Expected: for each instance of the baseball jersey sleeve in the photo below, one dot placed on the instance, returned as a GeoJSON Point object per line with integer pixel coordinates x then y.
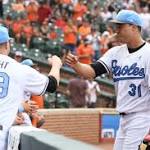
{"type": "Point", "coordinates": [114, 53]}
{"type": "Point", "coordinates": [147, 73]}
{"type": "Point", "coordinates": [35, 82]}
{"type": "Point", "coordinates": [106, 59]}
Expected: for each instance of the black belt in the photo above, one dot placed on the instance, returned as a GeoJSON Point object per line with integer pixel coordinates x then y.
{"type": "Point", "coordinates": [122, 113]}
{"type": "Point", "coordinates": [1, 127]}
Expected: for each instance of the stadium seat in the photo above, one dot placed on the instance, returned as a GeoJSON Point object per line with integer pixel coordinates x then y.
{"type": "Point", "coordinates": [56, 100]}
{"type": "Point", "coordinates": [62, 101]}
{"type": "Point", "coordinates": [38, 55]}
{"type": "Point", "coordinates": [38, 42]}
{"type": "Point", "coordinates": [49, 46]}
{"type": "Point", "coordinates": [23, 46]}
{"type": "Point", "coordinates": [49, 101]}
{"type": "Point", "coordinates": [53, 47]}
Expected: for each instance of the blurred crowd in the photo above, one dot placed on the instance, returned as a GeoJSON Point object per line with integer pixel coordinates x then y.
{"type": "Point", "coordinates": [79, 26]}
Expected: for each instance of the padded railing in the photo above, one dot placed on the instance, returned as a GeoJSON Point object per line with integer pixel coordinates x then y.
{"type": "Point", "coordinates": [43, 140]}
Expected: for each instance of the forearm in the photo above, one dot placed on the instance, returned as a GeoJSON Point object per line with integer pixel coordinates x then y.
{"type": "Point", "coordinates": [84, 70]}
{"type": "Point", "coordinates": [55, 72]}
{"type": "Point", "coordinates": [56, 64]}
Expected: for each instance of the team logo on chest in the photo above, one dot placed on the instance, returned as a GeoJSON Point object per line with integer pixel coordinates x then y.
{"type": "Point", "coordinates": [126, 72]}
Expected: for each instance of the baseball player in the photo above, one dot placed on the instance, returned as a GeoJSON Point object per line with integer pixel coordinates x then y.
{"type": "Point", "coordinates": [16, 78]}
{"type": "Point", "coordinates": [129, 64]}
{"type": "Point", "coordinates": [91, 96]}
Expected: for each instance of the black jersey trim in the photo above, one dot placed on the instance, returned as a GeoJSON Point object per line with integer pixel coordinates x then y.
{"type": "Point", "coordinates": [107, 69]}
{"type": "Point", "coordinates": [99, 68]}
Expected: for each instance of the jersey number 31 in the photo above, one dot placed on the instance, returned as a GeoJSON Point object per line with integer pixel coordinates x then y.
{"type": "Point", "coordinates": [4, 83]}
{"type": "Point", "coordinates": [135, 90]}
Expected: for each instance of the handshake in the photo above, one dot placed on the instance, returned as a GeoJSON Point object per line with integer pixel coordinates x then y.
{"type": "Point", "coordinates": [67, 58]}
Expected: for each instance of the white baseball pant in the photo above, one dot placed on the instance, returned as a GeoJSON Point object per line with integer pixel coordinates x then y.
{"type": "Point", "coordinates": [3, 140]}
{"type": "Point", "coordinates": [132, 130]}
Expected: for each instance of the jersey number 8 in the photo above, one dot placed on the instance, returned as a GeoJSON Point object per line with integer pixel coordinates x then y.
{"type": "Point", "coordinates": [4, 83]}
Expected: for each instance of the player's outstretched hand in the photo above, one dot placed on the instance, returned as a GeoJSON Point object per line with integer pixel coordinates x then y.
{"type": "Point", "coordinates": [70, 59]}
{"type": "Point", "coordinates": [55, 61]}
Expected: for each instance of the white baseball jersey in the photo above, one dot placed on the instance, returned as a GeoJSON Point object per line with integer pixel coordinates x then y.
{"type": "Point", "coordinates": [131, 75]}
{"type": "Point", "coordinates": [16, 78]}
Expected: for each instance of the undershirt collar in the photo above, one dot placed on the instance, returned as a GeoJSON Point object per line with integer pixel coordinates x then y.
{"type": "Point", "coordinates": [132, 50]}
